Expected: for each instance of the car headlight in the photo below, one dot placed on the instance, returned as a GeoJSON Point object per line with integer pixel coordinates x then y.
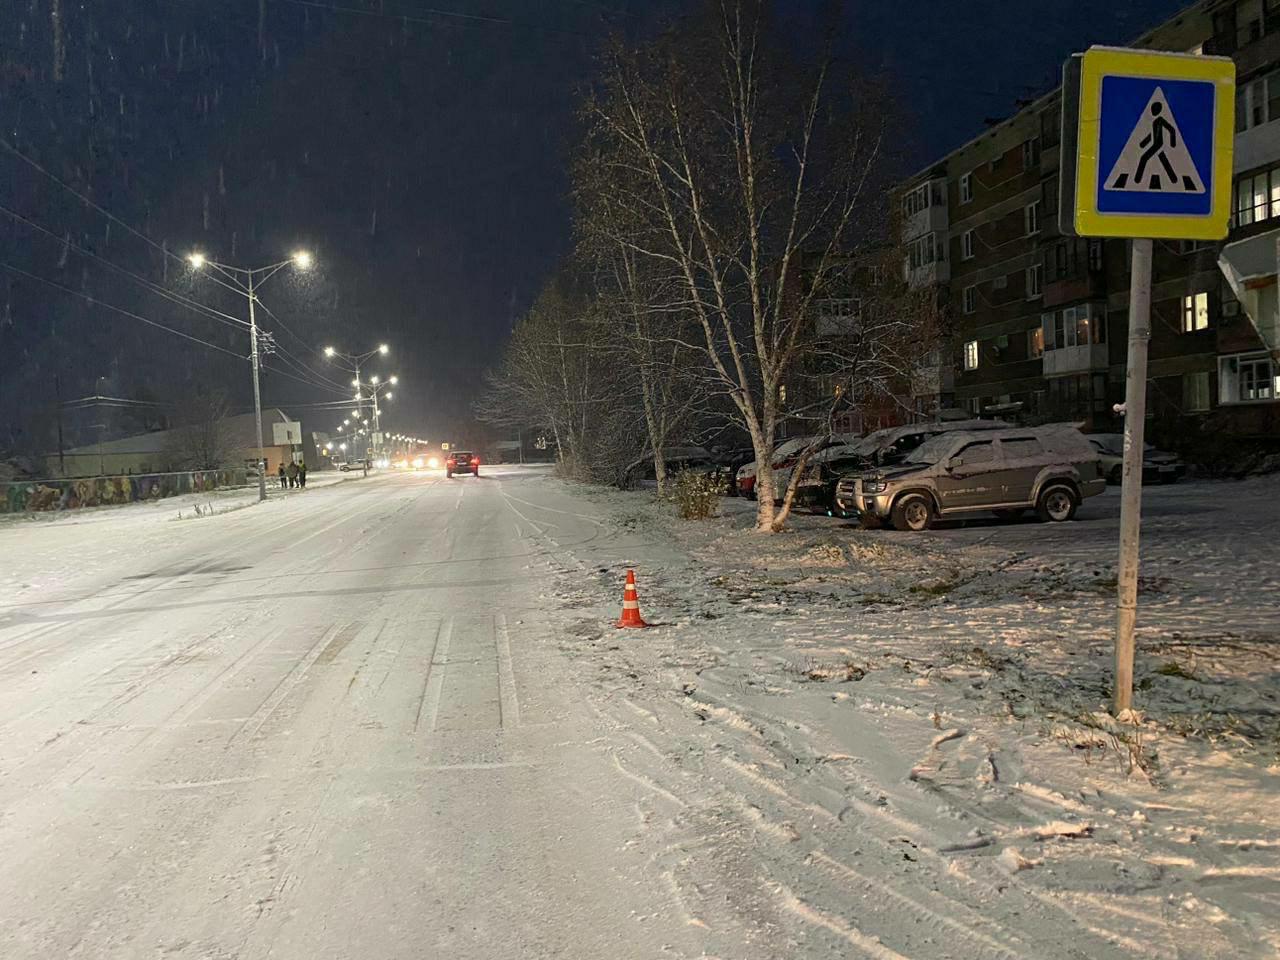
{"type": "Point", "coordinates": [874, 486]}
{"type": "Point", "coordinates": [434, 463]}
{"type": "Point", "coordinates": [417, 463]}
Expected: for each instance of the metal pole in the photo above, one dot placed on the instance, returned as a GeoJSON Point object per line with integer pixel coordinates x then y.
{"type": "Point", "coordinates": [1135, 411]}
{"type": "Point", "coordinates": [364, 454]}
{"type": "Point", "coordinates": [257, 395]}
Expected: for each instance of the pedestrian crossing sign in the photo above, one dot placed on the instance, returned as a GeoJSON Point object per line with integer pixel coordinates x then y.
{"type": "Point", "coordinates": [1147, 144]}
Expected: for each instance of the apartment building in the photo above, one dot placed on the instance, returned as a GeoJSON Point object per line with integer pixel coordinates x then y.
{"type": "Point", "coordinates": [1038, 321]}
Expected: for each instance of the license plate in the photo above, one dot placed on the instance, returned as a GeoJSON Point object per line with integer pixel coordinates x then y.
{"type": "Point", "coordinates": [1167, 469]}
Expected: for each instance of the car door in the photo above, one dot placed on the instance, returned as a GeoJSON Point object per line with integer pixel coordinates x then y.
{"type": "Point", "coordinates": [969, 477]}
{"type": "Point", "coordinates": [1021, 460]}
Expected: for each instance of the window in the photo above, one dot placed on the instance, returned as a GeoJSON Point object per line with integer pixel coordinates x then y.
{"type": "Point", "coordinates": [1257, 196]}
{"type": "Point", "coordinates": [969, 300]}
{"type": "Point", "coordinates": [923, 251]}
{"type": "Point", "coordinates": [984, 451]}
{"type": "Point", "coordinates": [1195, 312]}
{"type": "Point", "coordinates": [1035, 343]}
{"type": "Point", "coordinates": [1195, 392]}
{"type": "Point", "coordinates": [1258, 102]}
{"type": "Point", "coordinates": [1031, 218]}
{"type": "Point", "coordinates": [1076, 326]}
{"type": "Point", "coordinates": [1021, 447]}
{"type": "Point", "coordinates": [1031, 153]}
{"type": "Point", "coordinates": [1095, 255]}
{"type": "Point", "coordinates": [971, 355]}
{"type": "Point", "coordinates": [967, 244]}
{"type": "Point", "coordinates": [921, 198]}
{"type": "Point", "coordinates": [1000, 282]}
{"type": "Point", "coordinates": [1247, 378]}
{"type": "Point", "coordinates": [966, 187]}
{"type": "Point", "coordinates": [1033, 281]}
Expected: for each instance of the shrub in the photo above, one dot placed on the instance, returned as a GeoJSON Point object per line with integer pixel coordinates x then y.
{"type": "Point", "coordinates": [696, 494]}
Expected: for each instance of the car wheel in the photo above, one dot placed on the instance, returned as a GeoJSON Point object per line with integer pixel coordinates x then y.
{"type": "Point", "coordinates": [1116, 476]}
{"type": "Point", "coordinates": [1057, 503]}
{"type": "Point", "coordinates": [912, 512]}
{"type": "Point", "coordinates": [1011, 514]}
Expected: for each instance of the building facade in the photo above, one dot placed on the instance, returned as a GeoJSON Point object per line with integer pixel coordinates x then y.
{"type": "Point", "coordinates": [1038, 321]}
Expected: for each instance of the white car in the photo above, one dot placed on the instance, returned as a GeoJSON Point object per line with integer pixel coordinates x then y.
{"type": "Point", "coordinates": [785, 456]}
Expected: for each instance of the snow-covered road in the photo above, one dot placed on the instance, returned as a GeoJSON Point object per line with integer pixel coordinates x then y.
{"type": "Point", "coordinates": [330, 726]}
{"type": "Point", "coordinates": [389, 718]}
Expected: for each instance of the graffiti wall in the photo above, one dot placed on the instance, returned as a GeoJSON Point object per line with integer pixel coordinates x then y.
{"type": "Point", "coordinates": [42, 495]}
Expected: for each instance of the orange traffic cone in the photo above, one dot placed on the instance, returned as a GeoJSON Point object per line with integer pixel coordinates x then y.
{"type": "Point", "coordinates": [631, 604]}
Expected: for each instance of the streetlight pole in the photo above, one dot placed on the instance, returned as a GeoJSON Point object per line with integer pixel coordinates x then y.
{"type": "Point", "coordinates": [257, 393]}
{"type": "Point", "coordinates": [352, 362]}
{"type": "Point", "coordinates": [249, 289]}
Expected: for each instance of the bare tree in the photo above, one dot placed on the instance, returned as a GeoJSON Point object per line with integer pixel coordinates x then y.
{"type": "Point", "coordinates": [201, 438]}
{"type": "Point", "coordinates": [731, 165]}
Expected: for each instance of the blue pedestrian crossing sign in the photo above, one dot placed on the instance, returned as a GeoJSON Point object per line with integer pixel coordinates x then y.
{"type": "Point", "coordinates": [1147, 144]}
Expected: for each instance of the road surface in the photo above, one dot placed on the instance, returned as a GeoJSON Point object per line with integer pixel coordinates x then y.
{"type": "Point", "coordinates": [336, 725]}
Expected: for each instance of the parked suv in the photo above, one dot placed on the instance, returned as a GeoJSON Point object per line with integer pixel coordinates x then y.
{"type": "Point", "coordinates": [886, 447]}
{"type": "Point", "coordinates": [1051, 469]}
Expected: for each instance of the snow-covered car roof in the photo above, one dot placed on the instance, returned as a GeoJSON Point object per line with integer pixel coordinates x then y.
{"type": "Point", "coordinates": [891, 435]}
{"type": "Point", "coordinates": [1058, 439]}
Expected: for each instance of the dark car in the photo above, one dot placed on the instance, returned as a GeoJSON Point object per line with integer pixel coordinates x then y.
{"type": "Point", "coordinates": [462, 461]}
{"type": "Point", "coordinates": [1157, 466]}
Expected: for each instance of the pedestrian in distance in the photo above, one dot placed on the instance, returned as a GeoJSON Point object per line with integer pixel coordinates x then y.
{"type": "Point", "coordinates": [282, 475]}
{"type": "Point", "coordinates": [302, 474]}
{"type": "Point", "coordinates": [293, 475]}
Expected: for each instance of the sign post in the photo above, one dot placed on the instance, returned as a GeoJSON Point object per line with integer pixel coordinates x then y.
{"type": "Point", "coordinates": [1147, 143]}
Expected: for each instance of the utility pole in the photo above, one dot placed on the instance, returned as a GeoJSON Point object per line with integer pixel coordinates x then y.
{"type": "Point", "coordinates": [302, 260]}
{"type": "Point", "coordinates": [1135, 412]}
{"type": "Point", "coordinates": [257, 392]}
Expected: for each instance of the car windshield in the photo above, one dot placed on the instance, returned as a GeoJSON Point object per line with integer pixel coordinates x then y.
{"type": "Point", "coordinates": [932, 450]}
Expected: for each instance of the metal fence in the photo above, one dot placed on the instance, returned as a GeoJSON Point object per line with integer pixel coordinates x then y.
{"type": "Point", "coordinates": [45, 495]}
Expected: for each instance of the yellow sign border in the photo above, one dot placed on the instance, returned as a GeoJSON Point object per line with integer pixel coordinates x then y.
{"type": "Point", "coordinates": [1099, 62]}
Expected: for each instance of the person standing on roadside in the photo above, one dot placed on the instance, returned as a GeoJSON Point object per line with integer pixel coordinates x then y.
{"type": "Point", "coordinates": [283, 478]}
{"type": "Point", "coordinates": [293, 475]}
{"type": "Point", "coordinates": [302, 474]}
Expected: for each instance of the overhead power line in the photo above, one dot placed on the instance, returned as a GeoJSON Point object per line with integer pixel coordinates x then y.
{"type": "Point", "coordinates": [194, 305]}
{"type": "Point", "coordinates": [128, 313]}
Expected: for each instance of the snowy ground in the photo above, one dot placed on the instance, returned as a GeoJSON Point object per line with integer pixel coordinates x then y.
{"type": "Point", "coordinates": [389, 719]}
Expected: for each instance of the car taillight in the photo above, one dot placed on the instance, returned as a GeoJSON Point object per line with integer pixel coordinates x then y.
{"type": "Point", "coordinates": [475, 461]}
{"type": "Point", "coordinates": [451, 462]}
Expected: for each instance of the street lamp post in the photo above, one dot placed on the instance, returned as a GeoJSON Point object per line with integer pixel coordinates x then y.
{"type": "Point", "coordinates": [254, 278]}
{"type": "Point", "coordinates": [352, 362]}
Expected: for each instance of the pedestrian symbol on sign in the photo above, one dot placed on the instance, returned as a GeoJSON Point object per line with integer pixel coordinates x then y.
{"type": "Point", "coordinates": [1155, 158]}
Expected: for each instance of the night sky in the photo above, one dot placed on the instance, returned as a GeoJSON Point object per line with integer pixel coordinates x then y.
{"type": "Point", "coordinates": [420, 156]}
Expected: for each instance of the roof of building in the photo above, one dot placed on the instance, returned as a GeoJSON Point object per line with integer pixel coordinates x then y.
{"type": "Point", "coordinates": [240, 429]}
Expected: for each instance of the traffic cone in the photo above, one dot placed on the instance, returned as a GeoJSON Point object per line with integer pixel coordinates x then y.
{"type": "Point", "coordinates": [631, 604]}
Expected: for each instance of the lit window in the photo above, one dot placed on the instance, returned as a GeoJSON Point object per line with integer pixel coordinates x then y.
{"type": "Point", "coordinates": [1035, 343]}
{"type": "Point", "coordinates": [1195, 312]}
{"type": "Point", "coordinates": [971, 355]}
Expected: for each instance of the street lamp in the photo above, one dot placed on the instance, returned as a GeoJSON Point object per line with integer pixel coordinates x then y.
{"type": "Point", "coordinates": [246, 281]}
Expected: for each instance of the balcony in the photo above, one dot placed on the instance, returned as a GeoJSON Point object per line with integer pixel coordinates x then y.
{"type": "Point", "coordinates": [933, 218]}
{"type": "Point", "coordinates": [1259, 146]}
{"type": "Point", "coordinates": [931, 381]}
{"type": "Point", "coordinates": [929, 274]}
{"type": "Point", "coordinates": [1082, 359]}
